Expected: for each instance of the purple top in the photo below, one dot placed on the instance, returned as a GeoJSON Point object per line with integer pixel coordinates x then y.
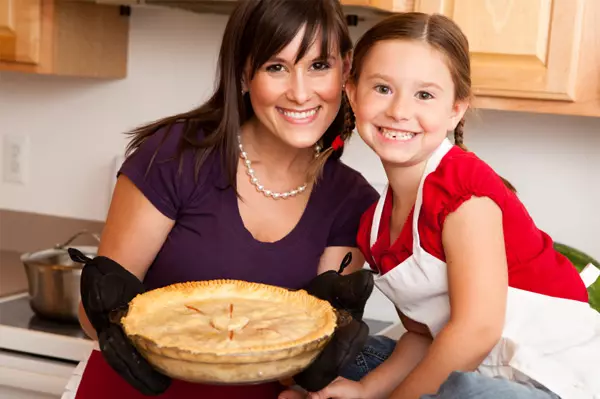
{"type": "Point", "coordinates": [209, 240]}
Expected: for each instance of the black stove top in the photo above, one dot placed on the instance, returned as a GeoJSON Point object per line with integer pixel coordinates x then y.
{"type": "Point", "coordinates": [17, 313]}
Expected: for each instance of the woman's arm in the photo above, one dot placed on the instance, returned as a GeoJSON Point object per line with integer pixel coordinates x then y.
{"type": "Point", "coordinates": [132, 236]}
{"type": "Point", "coordinates": [474, 245]}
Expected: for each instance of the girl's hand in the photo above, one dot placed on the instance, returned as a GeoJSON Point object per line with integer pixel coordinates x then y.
{"type": "Point", "coordinates": [340, 388]}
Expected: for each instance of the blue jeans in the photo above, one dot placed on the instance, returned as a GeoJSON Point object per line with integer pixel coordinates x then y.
{"type": "Point", "coordinates": [459, 385]}
{"type": "Point", "coordinates": [377, 349]}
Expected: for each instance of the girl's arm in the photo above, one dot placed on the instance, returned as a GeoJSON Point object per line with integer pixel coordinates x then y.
{"type": "Point", "coordinates": [409, 351]}
{"type": "Point", "coordinates": [474, 245]}
{"type": "Point", "coordinates": [379, 383]}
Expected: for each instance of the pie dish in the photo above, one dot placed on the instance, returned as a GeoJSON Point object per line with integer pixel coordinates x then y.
{"type": "Point", "coordinates": [229, 331]}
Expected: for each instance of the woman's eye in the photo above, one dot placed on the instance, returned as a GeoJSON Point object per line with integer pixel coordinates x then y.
{"type": "Point", "coordinates": [275, 68]}
{"type": "Point", "coordinates": [381, 89]}
{"type": "Point", "coordinates": [423, 95]}
{"type": "Point", "coordinates": [320, 66]}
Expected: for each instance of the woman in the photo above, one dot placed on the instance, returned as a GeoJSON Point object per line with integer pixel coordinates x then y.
{"type": "Point", "coordinates": [249, 186]}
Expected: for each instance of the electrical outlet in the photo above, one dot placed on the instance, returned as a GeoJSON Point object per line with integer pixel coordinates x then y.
{"type": "Point", "coordinates": [15, 155]}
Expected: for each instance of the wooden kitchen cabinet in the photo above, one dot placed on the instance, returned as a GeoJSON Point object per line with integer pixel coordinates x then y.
{"type": "Point", "coordinates": [384, 5]}
{"type": "Point", "coordinates": [530, 55]}
{"type": "Point", "coordinates": [62, 37]}
{"type": "Point", "coordinates": [7, 18]}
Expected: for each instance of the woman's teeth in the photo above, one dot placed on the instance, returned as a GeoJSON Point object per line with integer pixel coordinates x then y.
{"type": "Point", "coordinates": [299, 115]}
{"type": "Point", "coordinates": [396, 134]}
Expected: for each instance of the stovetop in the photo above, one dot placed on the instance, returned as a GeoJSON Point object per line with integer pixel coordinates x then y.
{"type": "Point", "coordinates": [22, 331]}
{"type": "Point", "coordinates": [18, 313]}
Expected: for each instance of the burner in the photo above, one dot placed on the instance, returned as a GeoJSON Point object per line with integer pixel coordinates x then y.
{"type": "Point", "coordinates": [25, 332]}
{"type": "Point", "coordinates": [18, 313]}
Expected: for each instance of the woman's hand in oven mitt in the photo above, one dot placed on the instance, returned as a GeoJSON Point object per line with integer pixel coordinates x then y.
{"type": "Point", "coordinates": [106, 289]}
{"type": "Point", "coordinates": [348, 294]}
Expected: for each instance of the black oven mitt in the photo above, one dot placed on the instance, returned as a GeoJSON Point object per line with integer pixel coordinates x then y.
{"type": "Point", "coordinates": [348, 294]}
{"type": "Point", "coordinates": [106, 289]}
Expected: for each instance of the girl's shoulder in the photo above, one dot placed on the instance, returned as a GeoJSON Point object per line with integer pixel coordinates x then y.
{"type": "Point", "coordinates": [461, 175]}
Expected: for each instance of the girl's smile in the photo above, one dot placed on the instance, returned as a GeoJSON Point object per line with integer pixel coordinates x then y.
{"type": "Point", "coordinates": [396, 135]}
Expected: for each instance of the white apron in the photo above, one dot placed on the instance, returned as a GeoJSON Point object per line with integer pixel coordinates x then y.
{"type": "Point", "coordinates": [553, 341]}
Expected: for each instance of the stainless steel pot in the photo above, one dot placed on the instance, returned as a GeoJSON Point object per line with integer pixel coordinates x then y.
{"type": "Point", "coordinates": [53, 279]}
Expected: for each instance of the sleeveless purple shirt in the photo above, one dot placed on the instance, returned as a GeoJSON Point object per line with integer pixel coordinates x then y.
{"type": "Point", "coordinates": [209, 240]}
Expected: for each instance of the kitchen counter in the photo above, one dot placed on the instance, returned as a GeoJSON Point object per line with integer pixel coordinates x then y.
{"type": "Point", "coordinates": [12, 274]}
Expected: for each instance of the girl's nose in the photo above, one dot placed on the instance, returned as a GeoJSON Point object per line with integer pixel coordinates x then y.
{"type": "Point", "coordinates": [400, 108]}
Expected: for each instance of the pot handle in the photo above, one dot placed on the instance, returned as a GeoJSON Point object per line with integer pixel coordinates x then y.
{"type": "Point", "coordinates": [83, 232]}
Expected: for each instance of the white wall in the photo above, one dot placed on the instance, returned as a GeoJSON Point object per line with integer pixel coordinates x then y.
{"type": "Point", "coordinates": [75, 127]}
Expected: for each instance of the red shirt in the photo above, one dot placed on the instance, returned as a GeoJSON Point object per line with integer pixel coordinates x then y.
{"type": "Point", "coordinates": [533, 264]}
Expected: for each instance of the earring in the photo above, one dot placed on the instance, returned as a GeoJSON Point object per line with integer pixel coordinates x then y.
{"type": "Point", "coordinates": [318, 149]}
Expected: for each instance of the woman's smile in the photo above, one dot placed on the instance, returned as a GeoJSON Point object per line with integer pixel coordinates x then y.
{"type": "Point", "coordinates": [299, 117]}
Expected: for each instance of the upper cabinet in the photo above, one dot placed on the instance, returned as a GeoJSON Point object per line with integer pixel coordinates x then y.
{"type": "Point", "coordinates": [385, 5]}
{"type": "Point", "coordinates": [519, 48]}
{"type": "Point", "coordinates": [63, 37]}
{"type": "Point", "coordinates": [532, 55]}
{"type": "Point", "coordinates": [528, 55]}
{"type": "Point", "coordinates": [20, 30]}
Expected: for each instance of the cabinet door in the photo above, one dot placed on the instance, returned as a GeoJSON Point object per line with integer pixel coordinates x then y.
{"type": "Point", "coordinates": [20, 31]}
{"type": "Point", "coordinates": [519, 48]}
{"type": "Point", "coordinates": [386, 5]}
{"type": "Point", "coordinates": [7, 18]}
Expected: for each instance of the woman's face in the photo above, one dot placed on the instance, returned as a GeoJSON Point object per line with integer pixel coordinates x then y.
{"type": "Point", "coordinates": [297, 102]}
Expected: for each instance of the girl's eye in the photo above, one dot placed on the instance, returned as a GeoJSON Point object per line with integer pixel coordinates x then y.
{"type": "Point", "coordinates": [275, 68]}
{"type": "Point", "coordinates": [320, 66]}
{"type": "Point", "coordinates": [423, 95]}
{"type": "Point", "coordinates": [381, 89]}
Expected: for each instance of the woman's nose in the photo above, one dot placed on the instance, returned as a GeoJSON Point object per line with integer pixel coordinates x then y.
{"type": "Point", "coordinates": [299, 90]}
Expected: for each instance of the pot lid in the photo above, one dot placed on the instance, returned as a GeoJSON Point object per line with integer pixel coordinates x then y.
{"type": "Point", "coordinates": [58, 256]}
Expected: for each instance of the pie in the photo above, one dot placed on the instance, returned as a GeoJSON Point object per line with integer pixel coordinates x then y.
{"type": "Point", "coordinates": [229, 331]}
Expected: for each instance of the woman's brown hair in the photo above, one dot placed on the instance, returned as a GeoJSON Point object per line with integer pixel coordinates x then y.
{"type": "Point", "coordinates": [255, 32]}
{"type": "Point", "coordinates": [438, 31]}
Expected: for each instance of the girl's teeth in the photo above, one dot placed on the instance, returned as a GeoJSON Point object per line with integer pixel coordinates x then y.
{"type": "Point", "coordinates": [396, 135]}
{"type": "Point", "coordinates": [300, 115]}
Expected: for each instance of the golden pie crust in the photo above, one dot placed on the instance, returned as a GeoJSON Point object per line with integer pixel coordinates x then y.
{"type": "Point", "coordinates": [229, 331]}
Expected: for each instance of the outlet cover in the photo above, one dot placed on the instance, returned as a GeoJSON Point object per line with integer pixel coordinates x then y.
{"type": "Point", "coordinates": [15, 156]}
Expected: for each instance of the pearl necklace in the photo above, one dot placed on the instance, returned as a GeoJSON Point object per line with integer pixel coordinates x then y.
{"type": "Point", "coordinates": [259, 187]}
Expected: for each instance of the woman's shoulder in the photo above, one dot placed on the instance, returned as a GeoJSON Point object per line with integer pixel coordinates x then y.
{"type": "Point", "coordinates": [164, 169]}
{"type": "Point", "coordinates": [165, 142]}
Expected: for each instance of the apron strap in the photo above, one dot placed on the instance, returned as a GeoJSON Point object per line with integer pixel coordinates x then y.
{"type": "Point", "coordinates": [432, 164]}
{"type": "Point", "coordinates": [377, 218]}
{"type": "Point", "coordinates": [589, 274]}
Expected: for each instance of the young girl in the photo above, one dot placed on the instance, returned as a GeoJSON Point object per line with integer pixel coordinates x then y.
{"type": "Point", "coordinates": [478, 286]}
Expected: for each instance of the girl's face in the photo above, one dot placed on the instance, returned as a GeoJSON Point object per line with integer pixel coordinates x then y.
{"type": "Point", "coordinates": [298, 101]}
{"type": "Point", "coordinates": [404, 101]}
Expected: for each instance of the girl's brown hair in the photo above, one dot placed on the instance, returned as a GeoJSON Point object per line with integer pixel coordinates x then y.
{"type": "Point", "coordinates": [255, 32]}
{"type": "Point", "coordinates": [438, 31]}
